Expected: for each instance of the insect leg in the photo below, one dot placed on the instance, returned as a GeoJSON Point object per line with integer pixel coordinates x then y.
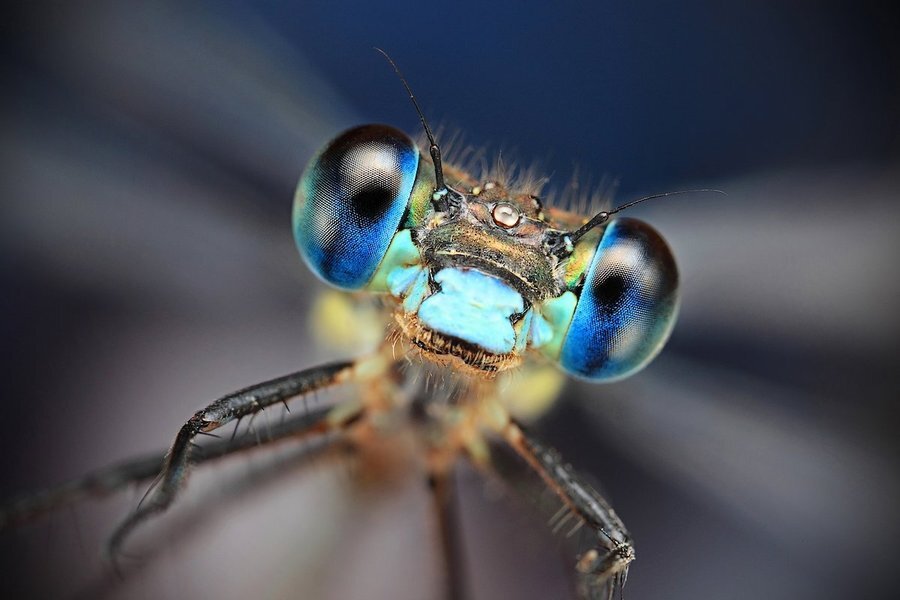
{"type": "Point", "coordinates": [105, 481]}
{"type": "Point", "coordinates": [603, 568]}
{"type": "Point", "coordinates": [442, 489]}
{"type": "Point", "coordinates": [237, 405]}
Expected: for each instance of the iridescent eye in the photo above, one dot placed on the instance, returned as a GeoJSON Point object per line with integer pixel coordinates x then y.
{"type": "Point", "coordinates": [627, 305]}
{"type": "Point", "coordinates": [351, 200]}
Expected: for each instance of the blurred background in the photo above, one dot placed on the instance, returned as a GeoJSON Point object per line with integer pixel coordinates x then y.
{"type": "Point", "coordinates": [149, 155]}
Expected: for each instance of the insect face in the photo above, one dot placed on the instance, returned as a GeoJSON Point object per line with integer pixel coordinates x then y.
{"type": "Point", "coordinates": [487, 275]}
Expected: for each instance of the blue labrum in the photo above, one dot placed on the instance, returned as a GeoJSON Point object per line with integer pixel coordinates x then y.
{"type": "Point", "coordinates": [473, 307]}
{"type": "Point", "coordinates": [410, 283]}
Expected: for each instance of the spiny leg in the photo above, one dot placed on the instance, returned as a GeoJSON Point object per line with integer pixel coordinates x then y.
{"type": "Point", "coordinates": [603, 568]}
{"type": "Point", "coordinates": [211, 505]}
{"type": "Point", "coordinates": [237, 405]}
{"type": "Point", "coordinates": [442, 486]}
{"type": "Point", "coordinates": [108, 480]}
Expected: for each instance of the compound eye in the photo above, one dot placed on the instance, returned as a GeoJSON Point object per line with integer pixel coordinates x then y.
{"type": "Point", "coordinates": [627, 306]}
{"type": "Point", "coordinates": [351, 200]}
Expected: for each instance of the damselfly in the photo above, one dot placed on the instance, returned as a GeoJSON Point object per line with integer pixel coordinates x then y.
{"type": "Point", "coordinates": [150, 158]}
{"type": "Point", "coordinates": [478, 280]}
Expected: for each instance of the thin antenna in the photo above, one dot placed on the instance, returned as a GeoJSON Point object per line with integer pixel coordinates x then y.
{"type": "Point", "coordinates": [603, 216]}
{"type": "Point", "coordinates": [434, 149]}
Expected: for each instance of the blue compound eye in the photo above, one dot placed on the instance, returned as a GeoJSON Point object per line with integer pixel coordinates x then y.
{"type": "Point", "coordinates": [351, 200]}
{"type": "Point", "coordinates": [626, 307]}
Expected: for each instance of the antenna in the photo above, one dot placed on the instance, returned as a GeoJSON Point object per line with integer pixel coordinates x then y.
{"type": "Point", "coordinates": [603, 216]}
{"type": "Point", "coordinates": [434, 149]}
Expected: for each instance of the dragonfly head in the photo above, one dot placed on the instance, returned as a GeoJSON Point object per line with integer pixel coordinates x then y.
{"type": "Point", "coordinates": [482, 275]}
